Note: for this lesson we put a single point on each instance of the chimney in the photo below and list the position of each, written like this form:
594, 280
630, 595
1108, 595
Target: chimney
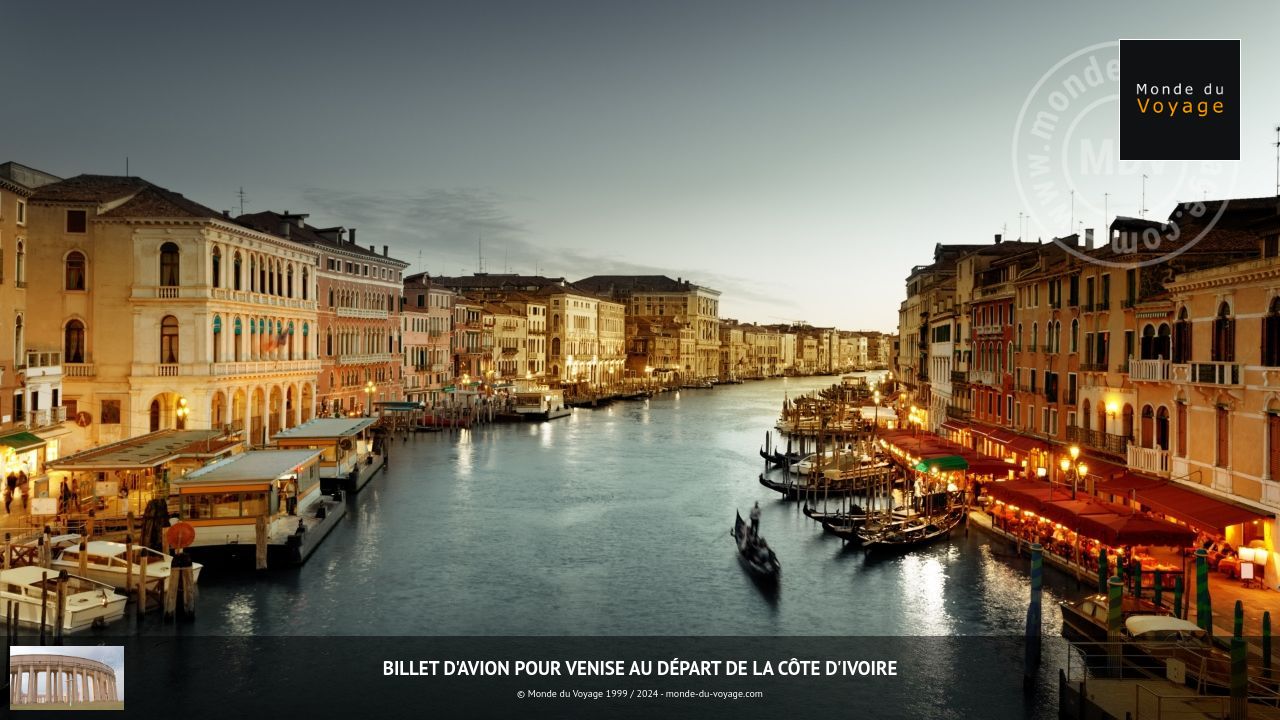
385, 250
998, 238
351, 234
1088, 238
373, 249
284, 228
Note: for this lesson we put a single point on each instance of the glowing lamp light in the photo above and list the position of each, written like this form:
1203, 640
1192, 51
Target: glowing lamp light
1082, 469
1041, 472
1112, 409
1260, 556
1075, 452
1065, 464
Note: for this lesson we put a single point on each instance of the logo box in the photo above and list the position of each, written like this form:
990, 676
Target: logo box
1180, 99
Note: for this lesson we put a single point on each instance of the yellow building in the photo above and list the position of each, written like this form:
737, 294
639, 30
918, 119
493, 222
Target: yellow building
168, 313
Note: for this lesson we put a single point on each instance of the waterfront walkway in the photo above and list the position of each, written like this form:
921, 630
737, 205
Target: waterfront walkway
1223, 591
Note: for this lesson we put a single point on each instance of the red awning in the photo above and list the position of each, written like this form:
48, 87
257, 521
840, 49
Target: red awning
1024, 444
1125, 482
1202, 511
991, 466
955, 425
1026, 494
1117, 530
1068, 511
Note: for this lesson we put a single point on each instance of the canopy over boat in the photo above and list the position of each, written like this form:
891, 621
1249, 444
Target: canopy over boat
1142, 624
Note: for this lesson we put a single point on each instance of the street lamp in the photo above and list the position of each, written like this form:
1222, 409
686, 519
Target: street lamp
1074, 470
182, 412
368, 391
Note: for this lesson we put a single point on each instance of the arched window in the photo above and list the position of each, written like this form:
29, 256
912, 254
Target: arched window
253, 273
235, 272
1148, 426
216, 266
289, 283
1224, 335
1126, 417
1075, 335
20, 265
1182, 338
169, 264
1162, 428
73, 342
1271, 335
217, 338
555, 346
75, 270
1146, 350
235, 340
328, 342
169, 339
271, 279
306, 349
1035, 336
305, 280
1085, 417
1162, 344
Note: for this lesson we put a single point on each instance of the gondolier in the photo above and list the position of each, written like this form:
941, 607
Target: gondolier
755, 519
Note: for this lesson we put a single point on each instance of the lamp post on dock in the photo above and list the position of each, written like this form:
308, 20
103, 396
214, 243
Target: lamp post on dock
1074, 469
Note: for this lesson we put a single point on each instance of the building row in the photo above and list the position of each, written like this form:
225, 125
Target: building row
130, 308
1154, 349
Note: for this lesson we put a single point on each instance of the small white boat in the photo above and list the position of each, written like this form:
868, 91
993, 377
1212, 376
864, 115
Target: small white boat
88, 603
539, 404
108, 562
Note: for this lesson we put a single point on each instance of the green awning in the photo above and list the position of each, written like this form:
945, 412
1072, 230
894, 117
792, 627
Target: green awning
946, 462
21, 441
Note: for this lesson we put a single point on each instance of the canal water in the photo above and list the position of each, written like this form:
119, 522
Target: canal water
615, 522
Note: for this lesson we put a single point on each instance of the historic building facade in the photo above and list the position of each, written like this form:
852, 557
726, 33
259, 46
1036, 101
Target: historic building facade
359, 314
428, 339
170, 314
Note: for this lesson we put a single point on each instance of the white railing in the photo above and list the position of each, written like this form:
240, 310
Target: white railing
167, 291
1151, 460
362, 313
48, 416
987, 329
364, 358
1222, 480
78, 369
983, 377
259, 367
1271, 493
167, 369
1149, 370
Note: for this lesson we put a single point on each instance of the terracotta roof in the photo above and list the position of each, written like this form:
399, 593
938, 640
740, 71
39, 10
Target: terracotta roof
156, 202
272, 223
89, 189
622, 285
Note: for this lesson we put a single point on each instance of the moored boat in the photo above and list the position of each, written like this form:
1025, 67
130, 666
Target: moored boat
34, 592
113, 563
1085, 620
911, 534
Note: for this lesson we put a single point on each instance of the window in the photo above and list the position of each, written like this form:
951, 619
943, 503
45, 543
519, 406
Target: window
110, 413
1075, 335
169, 339
168, 264
1271, 335
77, 221
75, 270
18, 344
289, 283
216, 265
1273, 444
20, 265
1224, 335
1224, 439
236, 282
306, 279
1182, 338
217, 338
22, 213
73, 342
1180, 423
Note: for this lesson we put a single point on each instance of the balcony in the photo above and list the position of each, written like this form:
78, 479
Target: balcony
957, 413
1210, 373
1148, 370
43, 363
988, 329
44, 418
959, 377
365, 359
1093, 367
984, 377
264, 367
78, 370
1149, 460
244, 296
1098, 440
365, 313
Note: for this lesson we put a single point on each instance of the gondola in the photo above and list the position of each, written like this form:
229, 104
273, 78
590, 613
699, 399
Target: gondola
802, 488
755, 554
911, 534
